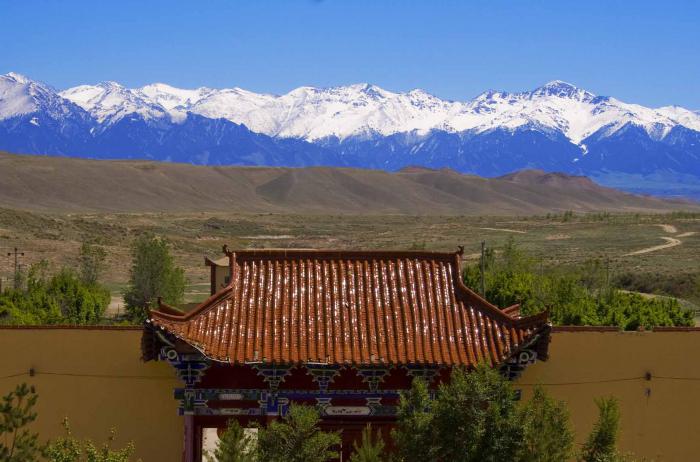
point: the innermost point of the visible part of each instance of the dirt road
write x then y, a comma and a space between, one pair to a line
505, 230
670, 229
670, 242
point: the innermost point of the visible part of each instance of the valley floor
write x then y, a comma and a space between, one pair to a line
667, 245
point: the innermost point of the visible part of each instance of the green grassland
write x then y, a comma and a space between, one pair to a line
556, 240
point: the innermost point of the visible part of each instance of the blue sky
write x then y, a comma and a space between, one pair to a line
642, 51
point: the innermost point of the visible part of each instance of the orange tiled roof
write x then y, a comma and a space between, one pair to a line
340, 307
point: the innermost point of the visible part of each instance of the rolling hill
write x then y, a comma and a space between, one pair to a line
79, 185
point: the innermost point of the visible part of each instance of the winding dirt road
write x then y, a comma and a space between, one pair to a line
670, 242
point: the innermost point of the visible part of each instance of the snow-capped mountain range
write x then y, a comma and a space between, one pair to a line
313, 114
555, 127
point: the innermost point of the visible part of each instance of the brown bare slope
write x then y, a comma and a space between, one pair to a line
67, 184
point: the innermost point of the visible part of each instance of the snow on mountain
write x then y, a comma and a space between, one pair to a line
359, 110
109, 102
20, 95
556, 127
313, 114
574, 112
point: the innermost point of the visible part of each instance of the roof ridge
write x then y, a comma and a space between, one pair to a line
335, 253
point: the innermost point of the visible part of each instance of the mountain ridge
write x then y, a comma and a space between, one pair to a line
555, 127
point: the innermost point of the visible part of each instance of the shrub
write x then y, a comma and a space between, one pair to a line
70, 449
60, 299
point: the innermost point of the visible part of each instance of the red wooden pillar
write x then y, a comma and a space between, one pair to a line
189, 452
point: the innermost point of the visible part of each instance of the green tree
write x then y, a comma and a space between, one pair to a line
601, 445
474, 417
547, 432
413, 433
573, 295
297, 438
91, 260
60, 299
371, 449
153, 274
17, 443
69, 449
234, 445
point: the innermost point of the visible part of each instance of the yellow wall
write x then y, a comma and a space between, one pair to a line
110, 386
585, 365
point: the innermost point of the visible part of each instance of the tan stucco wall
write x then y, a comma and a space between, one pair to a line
110, 387
585, 365
220, 275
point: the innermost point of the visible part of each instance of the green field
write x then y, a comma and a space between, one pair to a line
556, 239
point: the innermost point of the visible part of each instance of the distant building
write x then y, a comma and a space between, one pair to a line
342, 330
220, 273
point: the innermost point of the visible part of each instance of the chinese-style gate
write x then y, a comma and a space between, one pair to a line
344, 331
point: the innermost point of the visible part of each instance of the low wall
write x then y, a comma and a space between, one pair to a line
659, 416
94, 377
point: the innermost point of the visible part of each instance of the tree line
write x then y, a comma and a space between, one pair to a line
76, 296
580, 295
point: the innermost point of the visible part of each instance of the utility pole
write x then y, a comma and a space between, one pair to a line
483, 268
17, 254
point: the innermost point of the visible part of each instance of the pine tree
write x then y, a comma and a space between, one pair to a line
371, 449
297, 438
413, 433
234, 445
547, 432
17, 444
601, 445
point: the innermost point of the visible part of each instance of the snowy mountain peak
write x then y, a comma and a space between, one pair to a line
362, 109
19, 78
561, 89
110, 102
20, 95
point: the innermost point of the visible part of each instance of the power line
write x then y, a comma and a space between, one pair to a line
160, 377
676, 378
583, 382
108, 376
17, 254
14, 375
99, 376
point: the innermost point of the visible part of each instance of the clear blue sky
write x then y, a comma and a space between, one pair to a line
639, 51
